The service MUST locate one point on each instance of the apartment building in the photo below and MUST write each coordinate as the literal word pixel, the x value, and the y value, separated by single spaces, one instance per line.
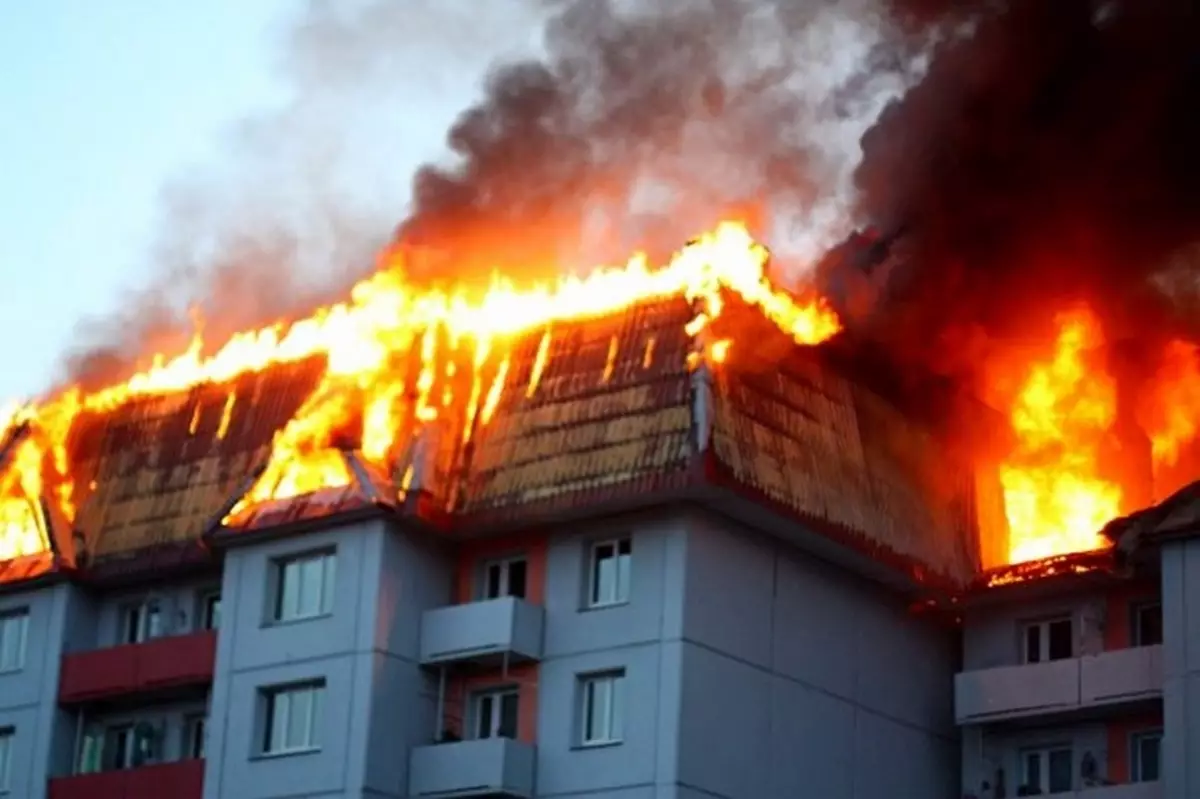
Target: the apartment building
pixel 674 583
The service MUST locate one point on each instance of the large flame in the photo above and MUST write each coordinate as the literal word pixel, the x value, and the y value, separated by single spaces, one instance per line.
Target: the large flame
pixel 1058 494
pixel 1172 411
pixel 1054 495
pixel 394 354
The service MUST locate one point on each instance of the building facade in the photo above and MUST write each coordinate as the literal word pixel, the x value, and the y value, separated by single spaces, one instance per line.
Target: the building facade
pixel 667 654
pixel 642 579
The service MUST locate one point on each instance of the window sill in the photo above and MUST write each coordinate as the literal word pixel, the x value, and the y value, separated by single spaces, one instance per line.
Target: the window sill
pixel 583 747
pixel 5 673
pixel 271 623
pixel 605 605
pixel 310 750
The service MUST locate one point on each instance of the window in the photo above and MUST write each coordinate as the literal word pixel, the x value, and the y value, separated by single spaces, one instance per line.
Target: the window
pixel 194 740
pixel 91 751
pixel 504 578
pixel 1047 770
pixel 1147 624
pixel 304 587
pixel 210 610
pixel 141 622
pixel 1048 640
pixel 1145 756
pixel 494 714
pixel 602 696
pixel 7 735
pixel 610 572
pixel 14 629
pixel 293 718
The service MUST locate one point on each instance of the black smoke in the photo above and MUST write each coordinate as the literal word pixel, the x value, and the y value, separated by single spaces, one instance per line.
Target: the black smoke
pixel 642 124
pixel 1050 154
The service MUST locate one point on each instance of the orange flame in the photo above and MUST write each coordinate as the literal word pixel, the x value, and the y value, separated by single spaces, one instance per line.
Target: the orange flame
pixel 1172 417
pixel 1055 498
pixel 397 357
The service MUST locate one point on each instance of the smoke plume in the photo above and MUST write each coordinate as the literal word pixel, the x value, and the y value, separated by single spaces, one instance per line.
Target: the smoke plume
pixel 627 125
pixel 642 124
pixel 1048 155
pixel 302 196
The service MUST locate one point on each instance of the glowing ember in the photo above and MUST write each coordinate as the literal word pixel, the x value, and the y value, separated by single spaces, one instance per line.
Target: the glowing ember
pixel 1054 496
pixel 398 357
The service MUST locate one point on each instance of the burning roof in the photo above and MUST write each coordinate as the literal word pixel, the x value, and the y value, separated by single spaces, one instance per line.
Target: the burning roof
pixel 517 407
pixel 597 392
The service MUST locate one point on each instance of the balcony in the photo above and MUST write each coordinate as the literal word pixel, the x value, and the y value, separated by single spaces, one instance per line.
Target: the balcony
pixel 182 780
pixel 1132 790
pixel 164 664
pixel 1007 692
pixel 1122 675
pixel 490 767
pixel 482 633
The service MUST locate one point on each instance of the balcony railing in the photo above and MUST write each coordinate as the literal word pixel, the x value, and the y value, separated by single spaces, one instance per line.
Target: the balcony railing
pixel 482 632
pixel 1114 677
pixel 1133 790
pixel 182 780
pixel 489 767
pixel 161 664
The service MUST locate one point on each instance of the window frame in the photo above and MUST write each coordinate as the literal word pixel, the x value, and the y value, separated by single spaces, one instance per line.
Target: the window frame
pixel 142 608
pixel 90 759
pixel 18 617
pixel 592 599
pixel 1044 754
pixel 270 714
pixel 195 737
pixel 496 695
pixel 208 607
pixel 1136 634
pixel 1136 765
pixel 278 597
pixel 1043 626
pixel 614 699
pixel 505 588
pixel 8 738
pixel 113 732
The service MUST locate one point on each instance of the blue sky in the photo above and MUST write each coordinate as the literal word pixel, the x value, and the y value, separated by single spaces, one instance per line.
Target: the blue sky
pixel 99 104
pixel 107 108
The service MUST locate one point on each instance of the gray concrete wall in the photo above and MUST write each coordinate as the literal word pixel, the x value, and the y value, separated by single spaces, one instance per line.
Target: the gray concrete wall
pixel 43 734
pixel 1181 668
pixel 800 680
pixel 992 636
pixel 643 637
pixel 376 701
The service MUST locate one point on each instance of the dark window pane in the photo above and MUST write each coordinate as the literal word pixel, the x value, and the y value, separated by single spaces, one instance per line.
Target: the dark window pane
pixel 516 579
pixel 1033 643
pixel 604 575
pixel 133 623
pixel 270 723
pixel 213 613
pixel 492 588
pixel 508 716
pixel 1033 770
pixel 1060 640
pixel 483 727
pixel 1148 631
pixel 1061 770
pixel 1149 747
pixel 625 547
